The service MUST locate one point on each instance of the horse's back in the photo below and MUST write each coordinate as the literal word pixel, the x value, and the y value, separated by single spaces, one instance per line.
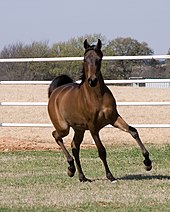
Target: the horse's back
pixel 64 91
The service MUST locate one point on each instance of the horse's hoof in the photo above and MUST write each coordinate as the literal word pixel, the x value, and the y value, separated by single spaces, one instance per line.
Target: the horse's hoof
pixel 148 165
pixel 84 179
pixel 111 178
pixel 71 171
pixel 148 168
pixel 70 174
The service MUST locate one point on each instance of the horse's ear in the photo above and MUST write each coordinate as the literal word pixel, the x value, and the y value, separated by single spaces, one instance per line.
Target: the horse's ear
pixel 86 44
pixel 99 44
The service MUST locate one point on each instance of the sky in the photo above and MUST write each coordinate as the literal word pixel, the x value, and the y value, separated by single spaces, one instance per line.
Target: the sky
pixel 60 20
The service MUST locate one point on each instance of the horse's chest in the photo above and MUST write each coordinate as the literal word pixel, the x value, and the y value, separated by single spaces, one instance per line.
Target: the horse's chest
pixel 105 114
pixel 101 116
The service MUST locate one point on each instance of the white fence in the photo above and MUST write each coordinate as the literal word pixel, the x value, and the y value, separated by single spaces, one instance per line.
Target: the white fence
pixel 110 82
pixel 106 81
pixel 58 59
pixel 158 85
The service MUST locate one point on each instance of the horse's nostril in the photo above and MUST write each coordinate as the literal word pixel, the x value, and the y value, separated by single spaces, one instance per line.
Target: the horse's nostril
pixel 92 83
pixel 89 81
pixel 95 81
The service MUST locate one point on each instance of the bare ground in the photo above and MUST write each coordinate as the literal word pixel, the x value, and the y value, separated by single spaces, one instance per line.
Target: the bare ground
pixel 13 138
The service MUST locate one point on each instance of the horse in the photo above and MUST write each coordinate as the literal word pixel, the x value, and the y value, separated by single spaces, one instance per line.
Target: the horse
pixel 88 105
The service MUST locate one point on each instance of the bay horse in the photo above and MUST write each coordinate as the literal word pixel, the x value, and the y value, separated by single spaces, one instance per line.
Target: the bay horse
pixel 89 105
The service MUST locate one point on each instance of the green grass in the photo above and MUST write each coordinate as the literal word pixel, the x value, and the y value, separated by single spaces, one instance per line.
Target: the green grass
pixel 38 181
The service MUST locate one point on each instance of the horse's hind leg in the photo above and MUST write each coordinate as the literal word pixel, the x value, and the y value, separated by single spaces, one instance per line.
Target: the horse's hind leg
pixel 75 145
pixel 121 124
pixel 70 160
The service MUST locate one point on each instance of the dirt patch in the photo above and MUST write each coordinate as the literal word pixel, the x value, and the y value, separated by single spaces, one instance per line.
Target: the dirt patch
pixel 109 137
pixel 13 144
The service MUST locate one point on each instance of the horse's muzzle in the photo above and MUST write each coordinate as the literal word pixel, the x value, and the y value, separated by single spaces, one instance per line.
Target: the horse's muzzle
pixel 92 83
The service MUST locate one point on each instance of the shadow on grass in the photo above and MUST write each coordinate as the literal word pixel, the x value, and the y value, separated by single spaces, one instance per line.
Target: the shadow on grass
pixel 137 177
pixel 144 177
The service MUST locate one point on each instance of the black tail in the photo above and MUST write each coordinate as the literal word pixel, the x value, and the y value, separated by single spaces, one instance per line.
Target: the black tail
pixel 58 81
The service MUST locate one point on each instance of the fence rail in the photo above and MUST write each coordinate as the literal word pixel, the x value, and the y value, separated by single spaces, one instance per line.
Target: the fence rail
pixel 50 125
pixel 108 82
pixel 61 59
pixel 118 103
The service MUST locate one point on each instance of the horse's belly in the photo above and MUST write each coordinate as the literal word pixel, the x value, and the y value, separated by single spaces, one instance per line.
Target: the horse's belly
pixel 79 126
pixel 76 120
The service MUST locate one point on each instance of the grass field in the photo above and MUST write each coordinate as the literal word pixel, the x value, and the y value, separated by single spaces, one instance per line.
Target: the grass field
pixel 38 181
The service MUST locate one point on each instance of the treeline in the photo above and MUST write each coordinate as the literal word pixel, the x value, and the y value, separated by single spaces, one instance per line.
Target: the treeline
pixel 121 69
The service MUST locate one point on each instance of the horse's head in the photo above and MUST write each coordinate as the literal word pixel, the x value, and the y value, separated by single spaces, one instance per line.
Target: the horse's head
pixel 92 62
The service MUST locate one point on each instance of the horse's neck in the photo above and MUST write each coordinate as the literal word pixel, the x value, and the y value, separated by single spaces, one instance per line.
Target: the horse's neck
pixel 101 81
pixel 98 90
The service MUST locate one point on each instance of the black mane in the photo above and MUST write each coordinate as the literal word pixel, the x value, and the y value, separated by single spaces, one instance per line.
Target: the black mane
pixel 58 81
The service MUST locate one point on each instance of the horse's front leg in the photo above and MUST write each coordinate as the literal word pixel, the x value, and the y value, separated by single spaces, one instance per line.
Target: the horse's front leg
pixel 102 155
pixel 121 124
pixel 75 145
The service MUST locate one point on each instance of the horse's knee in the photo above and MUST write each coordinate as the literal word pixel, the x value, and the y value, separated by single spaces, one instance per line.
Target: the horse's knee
pixel 60 134
pixel 133 132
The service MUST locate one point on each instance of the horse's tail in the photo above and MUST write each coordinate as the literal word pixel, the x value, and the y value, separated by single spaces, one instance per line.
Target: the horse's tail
pixel 58 81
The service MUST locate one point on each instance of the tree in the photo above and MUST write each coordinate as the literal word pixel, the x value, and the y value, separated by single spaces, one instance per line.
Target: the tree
pixel 13 71
pixel 38 70
pixel 25 71
pixel 123 69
